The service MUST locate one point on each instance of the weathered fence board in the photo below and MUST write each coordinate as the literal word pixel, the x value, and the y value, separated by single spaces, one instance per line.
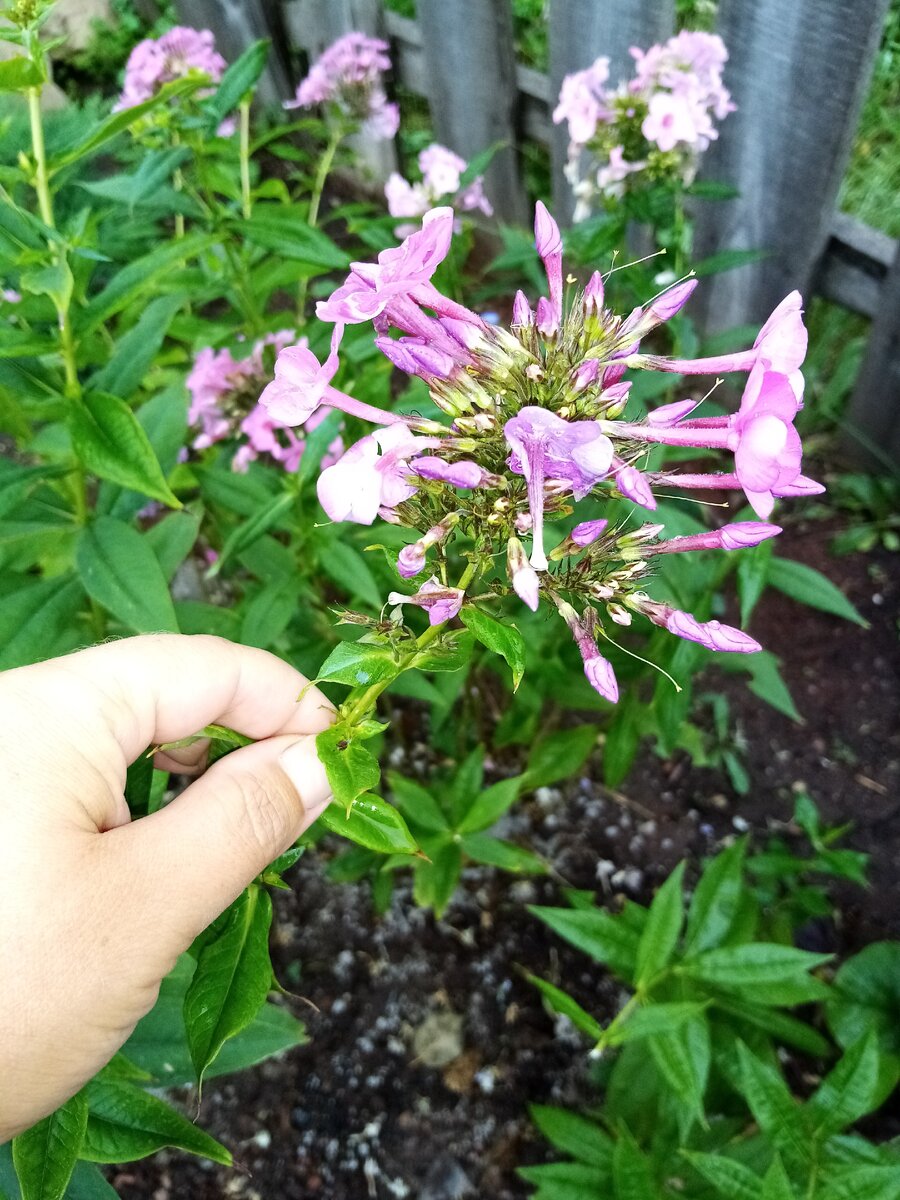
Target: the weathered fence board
pixel 237 23
pixel 471 87
pixel 580 31
pixel 874 406
pixel 798 72
pixel 855 265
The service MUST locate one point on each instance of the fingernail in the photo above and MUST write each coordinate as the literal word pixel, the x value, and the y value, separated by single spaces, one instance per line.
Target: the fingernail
pixel 303 767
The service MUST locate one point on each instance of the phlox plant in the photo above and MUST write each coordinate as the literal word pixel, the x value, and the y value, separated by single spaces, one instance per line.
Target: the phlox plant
pixel 182 427
pixel 697 1074
pixel 641 141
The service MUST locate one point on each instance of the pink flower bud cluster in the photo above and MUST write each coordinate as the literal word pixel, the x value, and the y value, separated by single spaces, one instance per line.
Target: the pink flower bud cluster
pixel 348 77
pixel 534 422
pixel 442 172
pixel 665 115
pixel 224 390
pixel 156 61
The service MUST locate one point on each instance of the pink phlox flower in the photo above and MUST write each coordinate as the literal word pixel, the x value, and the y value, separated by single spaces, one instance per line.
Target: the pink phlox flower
pixel 671 121
pixel 545 447
pixel 10 295
pixel 583 101
pixel 548 242
pixel 767 449
pixel 711 634
pixel 440 602
pixel 348 74
pixel 370 287
pixel 783 340
pixel 214 374
pixel 461 474
pixel 373 475
pixel 156 61
pixel 597 670
pixel 615 171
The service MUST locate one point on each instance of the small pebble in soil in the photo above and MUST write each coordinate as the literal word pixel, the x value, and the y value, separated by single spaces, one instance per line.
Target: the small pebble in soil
pixel 740 824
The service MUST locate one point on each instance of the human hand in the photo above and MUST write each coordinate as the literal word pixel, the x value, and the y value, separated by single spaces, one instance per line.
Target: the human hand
pixel 95 908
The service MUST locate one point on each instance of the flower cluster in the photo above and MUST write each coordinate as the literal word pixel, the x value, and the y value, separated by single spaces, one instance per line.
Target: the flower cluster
pixel 442 173
pixel 534 423
pixel 347 77
pixel 224 392
pixel 653 128
pixel 156 61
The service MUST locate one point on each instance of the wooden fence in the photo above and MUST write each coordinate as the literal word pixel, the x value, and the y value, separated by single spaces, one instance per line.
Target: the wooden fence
pixel 798 71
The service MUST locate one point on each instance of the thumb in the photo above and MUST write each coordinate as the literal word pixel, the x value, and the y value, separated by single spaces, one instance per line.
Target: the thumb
pixel 204 848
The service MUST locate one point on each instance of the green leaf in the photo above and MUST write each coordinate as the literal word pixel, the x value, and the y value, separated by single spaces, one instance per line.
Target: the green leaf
pixel 140 275
pixel 811 587
pixel 248 532
pixel 358 664
pixel 605 938
pixel 717 895
pixel 776 1111
pixel 750 965
pixel 45 1155
pixel 682 1058
pixel 780 1025
pixel 285 231
pixel 490 805
pixel 417 804
pixel 435 881
pixel 558 756
pixel 137 350
pixel 108 439
pixel 269 613
pixel 731 1179
pixel 660 936
pixel 563 1003
pixel 346 566
pixel 351 768
pixel 240 78
pixel 33 619
pixel 503 639
pixel 623 737
pixel 373 823
pixel 752 573
pixel 159 1043
pixel 632 1171
pixel 450 653
pixel 117 122
pixel 565 1181
pixel 120 571
pixel 856 1182
pixel 125 1123
pixel 775 1184
pixel 172 540
pixel 149 186
pixel 574 1134
pixel 19 73
pixel 866 995
pixel 232 980
pixel 496 853
pixel 652 1020
pixel 850 1090
pixel 54 281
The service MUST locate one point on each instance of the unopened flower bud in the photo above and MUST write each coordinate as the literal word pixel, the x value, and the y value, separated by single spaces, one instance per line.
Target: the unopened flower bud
pixel 585 374
pixel 671 414
pixel 593 295
pixel 521 310
pixel 411 560
pixel 588 531
pixel 547 321
pixel 741 534
pixel 637 537
pixel 620 615
pixel 523 576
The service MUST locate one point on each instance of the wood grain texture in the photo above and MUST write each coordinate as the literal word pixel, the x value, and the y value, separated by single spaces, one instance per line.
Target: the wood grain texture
pixel 471 88
pixel 798 72
pixel 580 31
pixel 237 23
pixel 874 411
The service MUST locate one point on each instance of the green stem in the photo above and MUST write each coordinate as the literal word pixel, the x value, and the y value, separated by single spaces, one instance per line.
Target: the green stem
pixel 66 338
pixel 246 203
pixel 325 163
pixel 361 701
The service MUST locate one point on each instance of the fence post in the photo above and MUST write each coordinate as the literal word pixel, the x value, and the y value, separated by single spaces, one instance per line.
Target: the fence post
pixel 238 23
pixel 580 31
pixel 798 73
pixel 471 71
pixel 874 409
pixel 315 24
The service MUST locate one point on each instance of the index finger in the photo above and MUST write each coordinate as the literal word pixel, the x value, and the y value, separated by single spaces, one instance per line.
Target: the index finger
pixel 158 688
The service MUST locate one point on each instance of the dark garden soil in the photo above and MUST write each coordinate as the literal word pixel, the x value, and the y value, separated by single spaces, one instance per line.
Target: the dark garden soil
pixel 359 1113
